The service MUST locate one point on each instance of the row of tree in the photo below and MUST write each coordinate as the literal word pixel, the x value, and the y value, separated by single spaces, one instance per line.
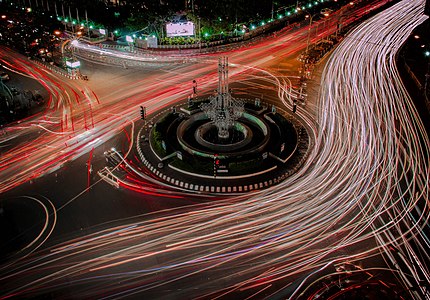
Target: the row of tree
pixel 137 14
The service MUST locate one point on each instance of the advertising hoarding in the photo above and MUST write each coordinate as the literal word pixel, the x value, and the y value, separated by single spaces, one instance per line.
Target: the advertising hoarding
pixel 129 39
pixel 180 29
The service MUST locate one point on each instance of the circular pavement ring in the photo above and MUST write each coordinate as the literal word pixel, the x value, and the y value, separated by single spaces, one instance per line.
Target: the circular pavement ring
pixel 225 182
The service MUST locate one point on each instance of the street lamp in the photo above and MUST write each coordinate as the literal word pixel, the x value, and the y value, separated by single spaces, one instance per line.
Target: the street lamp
pixel 427 76
pixel 200 35
pixel 325 14
pixel 309 30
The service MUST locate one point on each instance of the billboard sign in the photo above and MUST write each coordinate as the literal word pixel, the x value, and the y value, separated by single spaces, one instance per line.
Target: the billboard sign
pixel 129 39
pixel 180 29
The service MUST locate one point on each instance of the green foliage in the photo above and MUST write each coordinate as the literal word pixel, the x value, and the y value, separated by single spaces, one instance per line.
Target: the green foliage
pixel 196 103
pixel 252 106
pixel 178 40
pixel 165 121
pixel 159 134
pixel 136 22
pixel 287 131
pixel 156 140
pixel 194 164
pixel 247 166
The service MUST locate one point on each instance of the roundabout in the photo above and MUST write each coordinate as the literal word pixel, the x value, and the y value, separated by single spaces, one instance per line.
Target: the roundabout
pixel 222 144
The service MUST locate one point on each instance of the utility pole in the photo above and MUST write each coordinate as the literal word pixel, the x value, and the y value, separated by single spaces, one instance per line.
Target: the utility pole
pixel 216 164
pixel 88 28
pixel 272 9
pixel 309 32
pixel 194 87
pixel 200 36
pixel 142 112
pixel 427 76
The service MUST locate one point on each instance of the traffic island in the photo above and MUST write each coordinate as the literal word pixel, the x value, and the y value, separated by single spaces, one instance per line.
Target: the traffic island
pixel 222 144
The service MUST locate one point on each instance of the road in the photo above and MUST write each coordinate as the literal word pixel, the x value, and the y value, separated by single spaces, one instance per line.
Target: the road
pixel 81 116
pixel 363 191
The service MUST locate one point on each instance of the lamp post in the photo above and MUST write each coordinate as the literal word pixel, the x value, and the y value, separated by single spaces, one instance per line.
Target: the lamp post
pixel 309 30
pixel 325 14
pixel 339 23
pixel 200 36
pixel 427 76
pixel 343 13
pixel 272 9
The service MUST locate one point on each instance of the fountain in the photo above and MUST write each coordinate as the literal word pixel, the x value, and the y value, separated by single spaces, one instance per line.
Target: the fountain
pixel 222 108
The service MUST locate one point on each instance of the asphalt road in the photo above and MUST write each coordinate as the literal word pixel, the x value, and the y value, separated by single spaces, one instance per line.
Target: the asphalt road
pixel 338 208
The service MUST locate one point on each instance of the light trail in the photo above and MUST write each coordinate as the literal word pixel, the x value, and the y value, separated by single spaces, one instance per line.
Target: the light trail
pixel 353 199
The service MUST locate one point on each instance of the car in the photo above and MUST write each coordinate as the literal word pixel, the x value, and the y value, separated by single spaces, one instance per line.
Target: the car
pixel 4 76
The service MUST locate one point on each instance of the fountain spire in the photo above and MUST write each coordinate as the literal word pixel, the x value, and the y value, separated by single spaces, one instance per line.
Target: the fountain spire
pixel 223 109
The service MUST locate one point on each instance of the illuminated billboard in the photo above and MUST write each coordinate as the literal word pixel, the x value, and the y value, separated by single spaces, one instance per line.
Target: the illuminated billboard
pixel 180 29
pixel 129 39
